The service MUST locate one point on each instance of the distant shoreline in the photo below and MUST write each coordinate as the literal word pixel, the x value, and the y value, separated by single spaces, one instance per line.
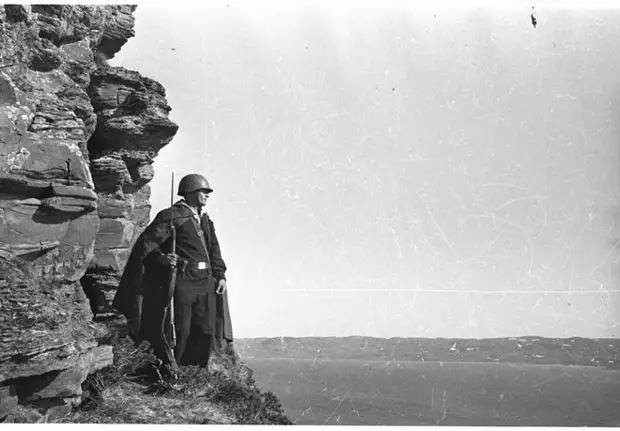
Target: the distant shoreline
pixel 396 338
pixel 388 362
pixel 531 350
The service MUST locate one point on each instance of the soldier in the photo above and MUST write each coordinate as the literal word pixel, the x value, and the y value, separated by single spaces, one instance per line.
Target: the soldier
pixel 200 305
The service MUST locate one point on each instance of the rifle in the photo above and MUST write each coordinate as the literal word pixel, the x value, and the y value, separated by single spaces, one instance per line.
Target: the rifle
pixel 170 293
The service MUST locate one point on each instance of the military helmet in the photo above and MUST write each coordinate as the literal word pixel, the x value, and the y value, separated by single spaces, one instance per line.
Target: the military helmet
pixel 192 182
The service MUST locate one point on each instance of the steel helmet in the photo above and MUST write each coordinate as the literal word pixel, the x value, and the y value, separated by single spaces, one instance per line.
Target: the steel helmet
pixel 192 182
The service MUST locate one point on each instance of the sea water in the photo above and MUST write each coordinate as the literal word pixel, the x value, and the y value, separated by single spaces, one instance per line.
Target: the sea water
pixel 354 392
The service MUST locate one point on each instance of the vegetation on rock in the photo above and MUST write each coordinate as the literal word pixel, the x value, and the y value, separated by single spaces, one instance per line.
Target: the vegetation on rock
pixel 131 391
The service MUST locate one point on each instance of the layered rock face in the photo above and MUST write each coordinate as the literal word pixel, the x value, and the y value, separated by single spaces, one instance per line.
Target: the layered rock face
pixel 77 139
pixel 132 126
pixel 48 348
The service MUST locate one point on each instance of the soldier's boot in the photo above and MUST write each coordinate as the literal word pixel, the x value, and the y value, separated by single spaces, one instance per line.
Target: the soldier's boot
pixel 206 352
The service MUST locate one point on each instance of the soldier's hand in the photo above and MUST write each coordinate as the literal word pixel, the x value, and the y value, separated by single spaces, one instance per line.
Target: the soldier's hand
pixel 172 259
pixel 221 287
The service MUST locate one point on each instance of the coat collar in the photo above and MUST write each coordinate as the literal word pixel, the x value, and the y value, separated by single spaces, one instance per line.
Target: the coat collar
pixel 183 203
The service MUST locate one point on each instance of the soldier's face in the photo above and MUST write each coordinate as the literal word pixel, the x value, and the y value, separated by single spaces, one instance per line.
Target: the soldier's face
pixel 197 198
pixel 202 196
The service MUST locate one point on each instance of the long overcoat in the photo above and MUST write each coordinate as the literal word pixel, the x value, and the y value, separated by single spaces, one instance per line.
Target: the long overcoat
pixel 139 297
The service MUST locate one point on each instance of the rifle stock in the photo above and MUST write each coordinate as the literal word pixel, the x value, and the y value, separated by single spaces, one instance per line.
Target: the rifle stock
pixel 172 286
pixel 169 309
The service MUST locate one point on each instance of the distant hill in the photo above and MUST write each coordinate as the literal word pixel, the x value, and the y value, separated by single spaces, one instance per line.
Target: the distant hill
pixel 528 349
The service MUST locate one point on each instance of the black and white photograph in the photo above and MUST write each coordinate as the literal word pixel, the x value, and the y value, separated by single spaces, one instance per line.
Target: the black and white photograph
pixel 269 212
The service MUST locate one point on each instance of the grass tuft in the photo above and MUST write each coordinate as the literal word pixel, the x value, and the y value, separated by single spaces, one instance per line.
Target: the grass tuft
pixel 132 392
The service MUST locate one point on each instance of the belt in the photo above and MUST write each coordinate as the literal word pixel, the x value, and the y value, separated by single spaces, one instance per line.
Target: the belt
pixel 198 265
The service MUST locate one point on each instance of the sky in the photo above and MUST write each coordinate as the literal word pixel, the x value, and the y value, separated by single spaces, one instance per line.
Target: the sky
pixel 383 169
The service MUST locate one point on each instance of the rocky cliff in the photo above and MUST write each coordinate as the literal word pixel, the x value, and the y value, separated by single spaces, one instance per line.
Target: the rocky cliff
pixel 132 126
pixel 77 140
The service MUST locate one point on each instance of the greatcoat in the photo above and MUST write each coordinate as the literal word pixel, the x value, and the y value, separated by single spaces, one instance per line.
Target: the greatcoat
pixel 139 295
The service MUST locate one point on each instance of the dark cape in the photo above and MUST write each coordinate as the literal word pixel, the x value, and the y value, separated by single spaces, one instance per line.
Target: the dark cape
pixel 139 295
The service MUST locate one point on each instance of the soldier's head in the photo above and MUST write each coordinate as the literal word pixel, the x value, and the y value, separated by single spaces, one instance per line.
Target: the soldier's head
pixel 195 189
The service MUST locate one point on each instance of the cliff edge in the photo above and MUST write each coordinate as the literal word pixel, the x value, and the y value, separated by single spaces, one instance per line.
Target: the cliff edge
pixel 77 142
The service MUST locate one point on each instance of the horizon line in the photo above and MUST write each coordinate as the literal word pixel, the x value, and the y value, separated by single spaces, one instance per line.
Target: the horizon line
pixel 510 337
pixel 494 292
